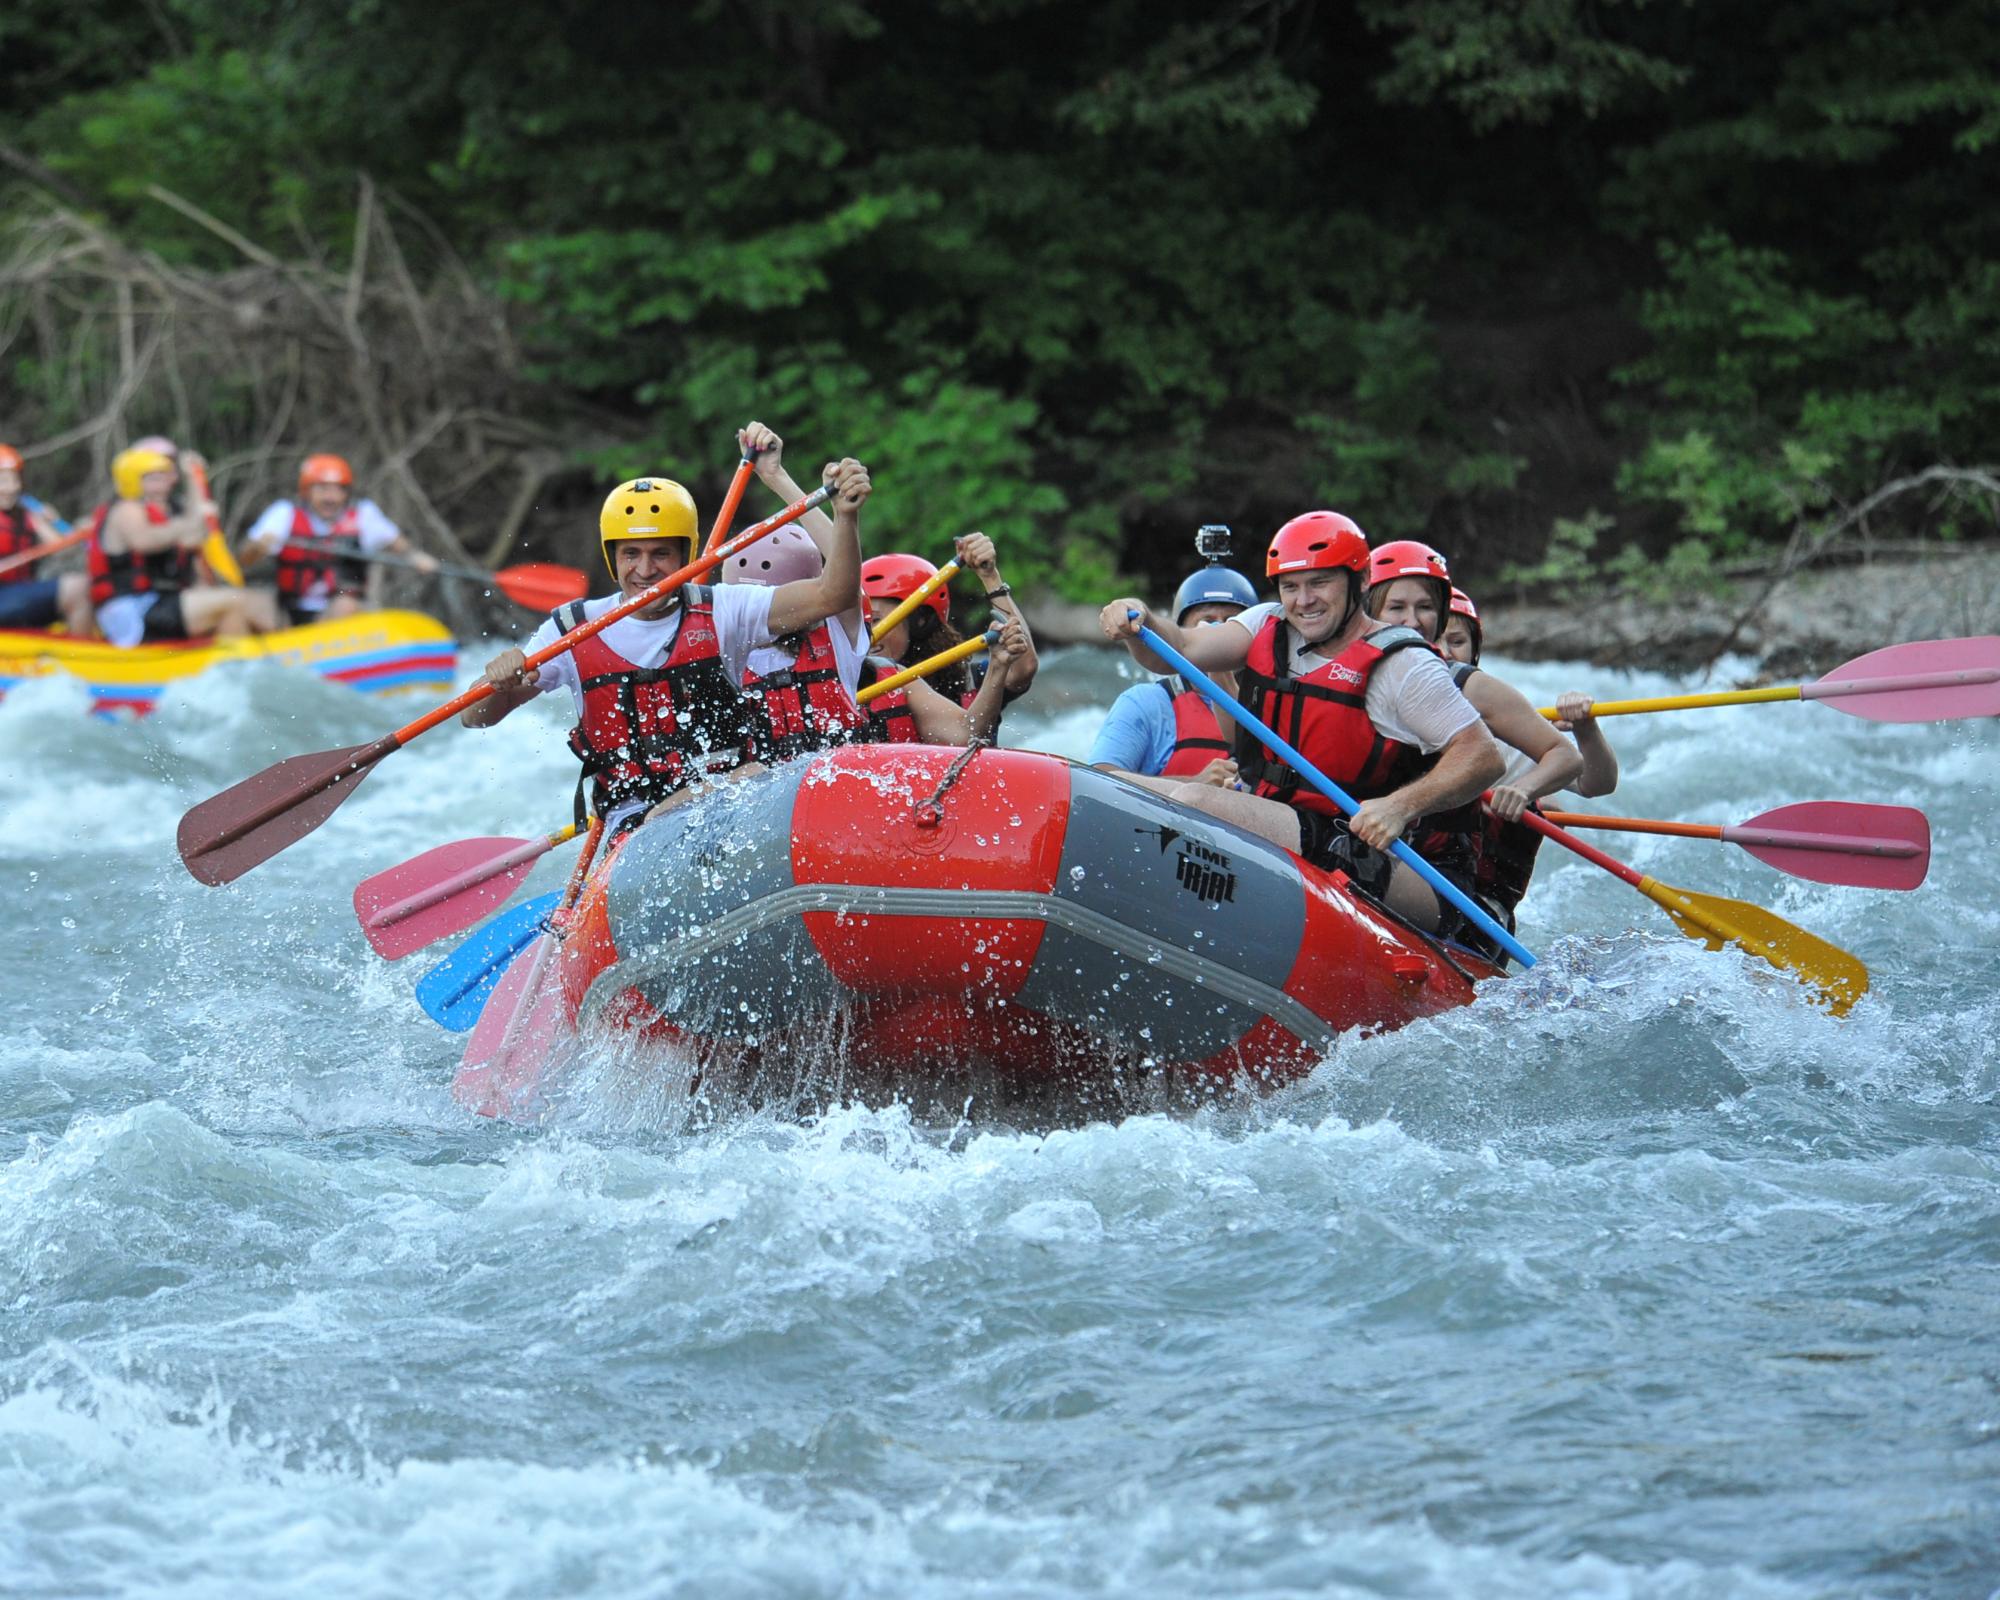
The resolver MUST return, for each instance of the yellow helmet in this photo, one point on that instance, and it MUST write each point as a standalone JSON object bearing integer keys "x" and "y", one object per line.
{"x": 646, "y": 508}
{"x": 129, "y": 466}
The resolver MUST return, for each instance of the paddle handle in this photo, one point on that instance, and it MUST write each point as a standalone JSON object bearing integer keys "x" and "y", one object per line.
{"x": 1590, "y": 853}
{"x": 22, "y": 558}
{"x": 1443, "y": 886}
{"x": 1678, "y": 830}
{"x": 726, "y": 513}
{"x": 659, "y": 591}
{"x": 923, "y": 669}
{"x": 1686, "y": 702}
{"x": 923, "y": 591}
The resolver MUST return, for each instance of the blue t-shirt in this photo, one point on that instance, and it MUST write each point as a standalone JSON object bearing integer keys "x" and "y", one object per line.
{"x": 1138, "y": 731}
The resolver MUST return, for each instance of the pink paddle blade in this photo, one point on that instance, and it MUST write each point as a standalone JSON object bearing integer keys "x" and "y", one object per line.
{"x": 1841, "y": 841}
{"x": 441, "y": 892}
{"x": 504, "y": 1060}
{"x": 1932, "y": 680}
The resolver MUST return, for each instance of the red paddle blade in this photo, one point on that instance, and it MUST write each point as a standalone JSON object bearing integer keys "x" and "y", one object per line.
{"x": 510, "y": 1047}
{"x": 1841, "y": 841}
{"x": 542, "y": 585}
{"x": 248, "y": 823}
{"x": 439, "y": 893}
{"x": 1931, "y": 680}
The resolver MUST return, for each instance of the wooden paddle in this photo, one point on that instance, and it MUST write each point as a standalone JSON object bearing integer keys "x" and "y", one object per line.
{"x": 916, "y": 597}
{"x": 445, "y": 890}
{"x": 1828, "y": 841}
{"x": 1930, "y": 680}
{"x": 923, "y": 669}
{"x": 227, "y": 834}
{"x": 1837, "y": 977}
{"x": 20, "y": 558}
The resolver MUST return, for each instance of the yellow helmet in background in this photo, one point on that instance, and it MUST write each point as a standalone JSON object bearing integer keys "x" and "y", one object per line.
{"x": 646, "y": 508}
{"x": 129, "y": 466}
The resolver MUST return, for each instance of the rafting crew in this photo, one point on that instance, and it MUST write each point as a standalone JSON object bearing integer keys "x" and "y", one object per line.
{"x": 26, "y": 524}
{"x": 1371, "y": 705}
{"x": 322, "y": 540}
{"x": 145, "y": 583}
{"x": 888, "y": 580}
{"x": 659, "y": 699}
{"x": 1165, "y": 728}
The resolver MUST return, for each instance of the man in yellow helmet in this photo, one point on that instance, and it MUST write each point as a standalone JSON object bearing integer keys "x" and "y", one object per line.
{"x": 658, "y": 696}
{"x": 143, "y": 582}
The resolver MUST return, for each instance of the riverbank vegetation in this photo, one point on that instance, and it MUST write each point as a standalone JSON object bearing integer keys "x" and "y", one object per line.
{"x": 1539, "y": 282}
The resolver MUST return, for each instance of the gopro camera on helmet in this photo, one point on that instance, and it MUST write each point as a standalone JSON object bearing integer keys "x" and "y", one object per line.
{"x": 1213, "y": 540}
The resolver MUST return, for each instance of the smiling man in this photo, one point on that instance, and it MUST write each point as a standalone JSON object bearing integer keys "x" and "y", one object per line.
{"x": 1371, "y": 706}
{"x": 658, "y": 697}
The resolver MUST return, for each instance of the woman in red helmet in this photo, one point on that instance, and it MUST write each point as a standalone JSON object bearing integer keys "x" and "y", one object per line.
{"x": 319, "y": 540}
{"x": 1371, "y": 706}
{"x": 887, "y": 581}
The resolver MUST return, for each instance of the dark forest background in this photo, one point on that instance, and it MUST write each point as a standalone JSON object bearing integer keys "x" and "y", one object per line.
{"x": 1562, "y": 287}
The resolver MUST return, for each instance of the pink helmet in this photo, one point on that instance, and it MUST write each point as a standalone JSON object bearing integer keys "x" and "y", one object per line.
{"x": 781, "y": 557}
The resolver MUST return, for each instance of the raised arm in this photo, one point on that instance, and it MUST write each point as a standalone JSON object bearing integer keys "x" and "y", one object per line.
{"x": 836, "y": 591}
{"x": 129, "y": 525}
{"x": 976, "y": 551}
{"x": 767, "y": 452}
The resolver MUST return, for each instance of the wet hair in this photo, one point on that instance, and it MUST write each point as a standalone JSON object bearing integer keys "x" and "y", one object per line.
{"x": 931, "y": 635}
{"x": 1379, "y": 592}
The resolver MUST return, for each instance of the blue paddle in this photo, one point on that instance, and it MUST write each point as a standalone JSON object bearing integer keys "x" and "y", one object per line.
{"x": 33, "y": 504}
{"x": 454, "y": 992}
{"x": 1402, "y": 852}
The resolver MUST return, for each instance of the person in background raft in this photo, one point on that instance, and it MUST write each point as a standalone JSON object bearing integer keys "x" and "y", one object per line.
{"x": 27, "y": 601}
{"x": 143, "y": 580}
{"x": 1164, "y": 729}
{"x": 319, "y": 539}
{"x": 803, "y": 687}
{"x": 1373, "y": 708}
{"x": 659, "y": 710}
{"x": 888, "y": 580}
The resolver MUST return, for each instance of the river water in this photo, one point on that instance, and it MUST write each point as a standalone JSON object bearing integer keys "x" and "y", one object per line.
{"x": 1641, "y": 1277}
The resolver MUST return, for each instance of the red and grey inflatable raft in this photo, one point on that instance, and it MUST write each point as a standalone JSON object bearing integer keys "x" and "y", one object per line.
{"x": 1034, "y": 916}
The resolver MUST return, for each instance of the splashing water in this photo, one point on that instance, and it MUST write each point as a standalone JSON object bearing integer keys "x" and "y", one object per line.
{"x": 1641, "y": 1277}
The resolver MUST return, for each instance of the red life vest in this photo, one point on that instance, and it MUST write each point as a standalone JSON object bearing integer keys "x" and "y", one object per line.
{"x": 647, "y": 731}
{"x": 309, "y": 564}
{"x": 805, "y": 706}
{"x": 1506, "y": 850}
{"x": 17, "y": 533}
{"x": 134, "y": 572}
{"x": 1323, "y": 716}
{"x": 890, "y": 719}
{"x": 1197, "y": 735}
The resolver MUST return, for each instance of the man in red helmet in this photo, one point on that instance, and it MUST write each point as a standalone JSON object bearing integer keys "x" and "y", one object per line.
{"x": 1372, "y": 707}
{"x": 321, "y": 540}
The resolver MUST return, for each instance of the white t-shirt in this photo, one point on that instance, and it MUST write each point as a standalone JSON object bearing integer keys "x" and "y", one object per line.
{"x": 373, "y": 531}
{"x": 1411, "y": 697}
{"x": 742, "y": 627}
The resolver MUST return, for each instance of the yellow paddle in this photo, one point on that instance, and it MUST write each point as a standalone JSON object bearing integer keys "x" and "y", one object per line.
{"x": 923, "y": 669}
{"x": 917, "y": 597}
{"x": 1839, "y": 978}
{"x": 215, "y": 548}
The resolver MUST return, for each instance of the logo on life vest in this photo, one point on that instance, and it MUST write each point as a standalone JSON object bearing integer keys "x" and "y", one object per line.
{"x": 1347, "y": 675}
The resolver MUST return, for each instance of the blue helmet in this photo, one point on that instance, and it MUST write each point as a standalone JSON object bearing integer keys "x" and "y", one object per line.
{"x": 1213, "y": 586}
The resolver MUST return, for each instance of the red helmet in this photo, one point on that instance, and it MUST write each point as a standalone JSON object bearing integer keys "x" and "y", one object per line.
{"x": 897, "y": 577}
{"x": 1406, "y": 558}
{"x": 325, "y": 469}
{"x": 10, "y": 457}
{"x": 1317, "y": 541}
{"x": 1462, "y": 606}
